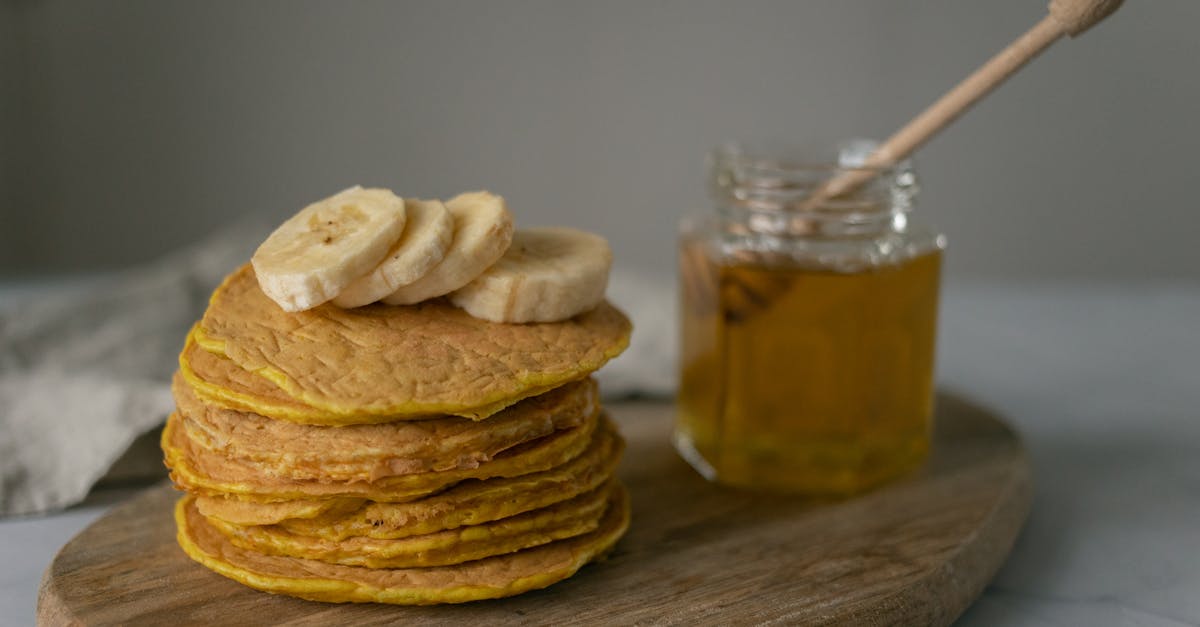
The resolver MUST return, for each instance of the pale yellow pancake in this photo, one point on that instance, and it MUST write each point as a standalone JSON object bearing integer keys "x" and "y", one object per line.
{"x": 237, "y": 510}
{"x": 489, "y": 578}
{"x": 198, "y": 470}
{"x": 372, "y": 452}
{"x": 561, "y": 520}
{"x": 221, "y": 382}
{"x": 402, "y": 362}
{"x": 471, "y": 502}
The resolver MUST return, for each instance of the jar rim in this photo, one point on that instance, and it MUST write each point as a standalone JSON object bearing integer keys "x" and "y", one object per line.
{"x": 846, "y": 155}
{"x": 743, "y": 175}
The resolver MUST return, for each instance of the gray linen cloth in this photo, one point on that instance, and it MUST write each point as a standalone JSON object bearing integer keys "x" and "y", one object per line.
{"x": 83, "y": 374}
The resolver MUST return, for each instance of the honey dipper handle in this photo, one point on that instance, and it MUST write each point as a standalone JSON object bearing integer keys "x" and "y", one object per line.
{"x": 1066, "y": 17}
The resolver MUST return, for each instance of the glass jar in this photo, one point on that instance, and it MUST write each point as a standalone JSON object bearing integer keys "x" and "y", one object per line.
{"x": 808, "y": 325}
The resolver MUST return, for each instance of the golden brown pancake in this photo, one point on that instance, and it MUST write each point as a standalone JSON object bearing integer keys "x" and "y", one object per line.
{"x": 471, "y": 502}
{"x": 239, "y": 511}
{"x": 561, "y": 520}
{"x": 357, "y": 365}
{"x": 488, "y": 578}
{"x": 201, "y": 471}
{"x": 219, "y": 381}
{"x": 374, "y": 451}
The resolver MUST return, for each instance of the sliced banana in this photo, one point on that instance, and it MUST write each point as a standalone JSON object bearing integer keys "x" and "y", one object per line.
{"x": 483, "y": 229}
{"x": 548, "y": 274}
{"x": 428, "y": 231}
{"x": 313, "y": 256}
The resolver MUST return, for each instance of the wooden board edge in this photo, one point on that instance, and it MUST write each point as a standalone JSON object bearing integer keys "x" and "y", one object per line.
{"x": 50, "y": 608}
{"x": 955, "y": 595}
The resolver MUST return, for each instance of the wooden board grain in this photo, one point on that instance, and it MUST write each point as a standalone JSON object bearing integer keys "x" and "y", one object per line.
{"x": 916, "y": 552}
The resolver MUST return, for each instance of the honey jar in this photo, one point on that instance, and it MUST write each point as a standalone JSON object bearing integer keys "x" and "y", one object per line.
{"x": 808, "y": 325}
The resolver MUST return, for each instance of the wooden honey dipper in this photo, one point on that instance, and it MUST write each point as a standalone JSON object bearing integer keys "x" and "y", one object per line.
{"x": 1066, "y": 17}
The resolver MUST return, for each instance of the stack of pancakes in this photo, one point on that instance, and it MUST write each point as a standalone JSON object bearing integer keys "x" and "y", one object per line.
{"x": 404, "y": 455}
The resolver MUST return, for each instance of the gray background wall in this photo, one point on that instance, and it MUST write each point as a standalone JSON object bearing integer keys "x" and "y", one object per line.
{"x": 130, "y": 128}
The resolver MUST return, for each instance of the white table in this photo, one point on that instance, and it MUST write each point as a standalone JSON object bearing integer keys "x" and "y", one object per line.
{"x": 1104, "y": 383}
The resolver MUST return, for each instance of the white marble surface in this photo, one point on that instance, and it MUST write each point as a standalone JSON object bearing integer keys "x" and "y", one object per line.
{"x": 1102, "y": 380}
{"x": 1104, "y": 383}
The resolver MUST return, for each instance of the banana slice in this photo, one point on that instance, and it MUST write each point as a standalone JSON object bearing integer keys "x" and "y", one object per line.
{"x": 310, "y": 258}
{"x": 482, "y": 232}
{"x": 548, "y": 274}
{"x": 428, "y": 231}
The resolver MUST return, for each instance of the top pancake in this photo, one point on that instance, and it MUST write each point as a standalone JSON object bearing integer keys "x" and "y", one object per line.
{"x": 402, "y": 362}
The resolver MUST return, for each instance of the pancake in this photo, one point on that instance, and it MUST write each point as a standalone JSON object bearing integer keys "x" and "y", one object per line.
{"x": 562, "y": 520}
{"x": 371, "y": 452}
{"x": 470, "y": 502}
{"x": 219, "y": 381}
{"x": 489, "y": 578}
{"x": 357, "y": 365}
{"x": 242, "y": 512}
{"x": 201, "y": 471}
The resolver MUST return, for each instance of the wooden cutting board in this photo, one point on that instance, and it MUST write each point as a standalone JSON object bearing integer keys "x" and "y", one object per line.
{"x": 915, "y": 552}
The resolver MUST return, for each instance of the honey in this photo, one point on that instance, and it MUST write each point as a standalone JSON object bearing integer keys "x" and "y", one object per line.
{"x": 806, "y": 380}
{"x": 807, "y": 331}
